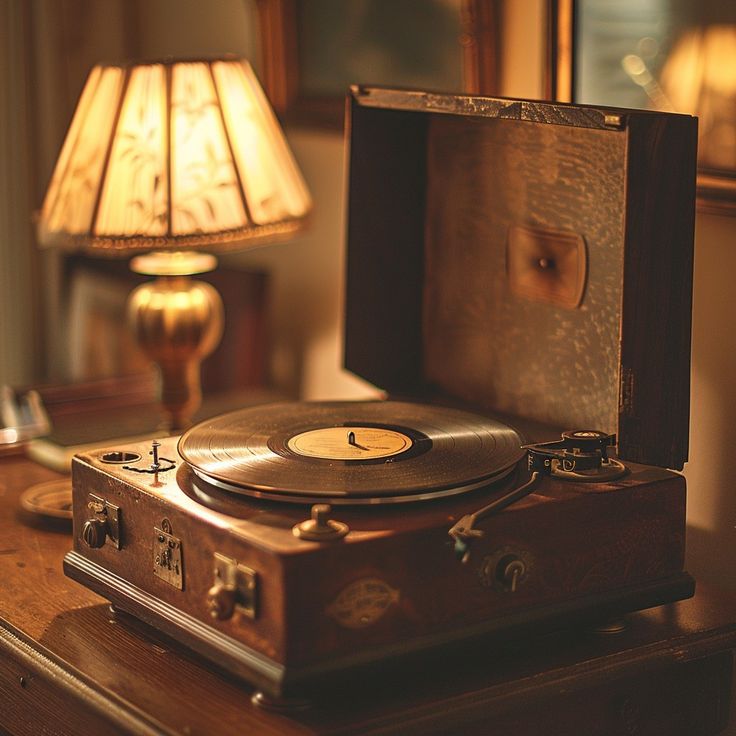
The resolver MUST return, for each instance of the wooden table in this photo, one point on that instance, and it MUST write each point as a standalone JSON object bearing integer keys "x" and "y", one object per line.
{"x": 68, "y": 667}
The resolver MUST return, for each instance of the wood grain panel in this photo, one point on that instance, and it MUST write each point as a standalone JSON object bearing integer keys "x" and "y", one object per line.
{"x": 658, "y": 272}
{"x": 383, "y": 336}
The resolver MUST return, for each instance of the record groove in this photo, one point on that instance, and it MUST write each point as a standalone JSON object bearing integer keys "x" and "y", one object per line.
{"x": 408, "y": 449}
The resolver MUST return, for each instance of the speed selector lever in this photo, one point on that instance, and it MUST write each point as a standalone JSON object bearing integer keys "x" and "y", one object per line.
{"x": 510, "y": 571}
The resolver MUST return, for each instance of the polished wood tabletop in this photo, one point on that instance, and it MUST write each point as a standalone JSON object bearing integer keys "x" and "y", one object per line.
{"x": 68, "y": 666}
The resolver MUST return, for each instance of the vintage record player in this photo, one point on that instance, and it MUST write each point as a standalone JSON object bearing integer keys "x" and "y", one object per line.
{"x": 514, "y": 269}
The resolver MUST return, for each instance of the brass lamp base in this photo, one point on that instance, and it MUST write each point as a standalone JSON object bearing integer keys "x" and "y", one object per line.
{"x": 178, "y": 322}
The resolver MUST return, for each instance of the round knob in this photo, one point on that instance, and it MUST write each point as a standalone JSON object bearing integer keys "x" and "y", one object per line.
{"x": 320, "y": 527}
{"x": 94, "y": 532}
{"x": 320, "y": 514}
{"x": 221, "y": 601}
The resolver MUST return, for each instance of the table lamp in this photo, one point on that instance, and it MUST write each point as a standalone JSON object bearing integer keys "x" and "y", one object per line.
{"x": 163, "y": 159}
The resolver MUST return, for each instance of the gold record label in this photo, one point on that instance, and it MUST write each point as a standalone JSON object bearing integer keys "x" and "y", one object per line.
{"x": 349, "y": 443}
{"x": 362, "y": 603}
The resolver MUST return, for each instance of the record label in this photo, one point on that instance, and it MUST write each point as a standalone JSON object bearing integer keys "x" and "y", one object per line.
{"x": 349, "y": 443}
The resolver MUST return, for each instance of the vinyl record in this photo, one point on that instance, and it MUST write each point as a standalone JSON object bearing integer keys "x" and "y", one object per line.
{"x": 360, "y": 452}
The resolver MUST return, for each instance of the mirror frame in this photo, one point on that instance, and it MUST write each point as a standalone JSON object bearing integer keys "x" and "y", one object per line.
{"x": 478, "y": 47}
{"x": 716, "y": 189}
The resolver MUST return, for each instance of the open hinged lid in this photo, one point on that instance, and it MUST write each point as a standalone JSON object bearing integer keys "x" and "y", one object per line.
{"x": 526, "y": 257}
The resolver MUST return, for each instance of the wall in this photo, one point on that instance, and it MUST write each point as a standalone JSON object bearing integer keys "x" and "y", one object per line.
{"x": 192, "y": 28}
{"x": 307, "y": 281}
{"x": 711, "y": 500}
{"x": 46, "y": 49}
{"x": 711, "y": 515}
{"x": 17, "y": 340}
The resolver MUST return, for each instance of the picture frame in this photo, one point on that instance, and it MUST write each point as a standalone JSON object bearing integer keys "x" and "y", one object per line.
{"x": 566, "y": 48}
{"x": 306, "y": 81}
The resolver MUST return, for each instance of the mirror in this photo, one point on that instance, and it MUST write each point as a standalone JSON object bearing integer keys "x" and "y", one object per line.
{"x": 671, "y": 55}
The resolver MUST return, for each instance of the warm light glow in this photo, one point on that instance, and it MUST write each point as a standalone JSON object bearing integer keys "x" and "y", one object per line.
{"x": 70, "y": 200}
{"x": 273, "y": 185}
{"x": 134, "y": 199}
{"x": 173, "y": 263}
{"x": 204, "y": 185}
{"x": 179, "y": 155}
{"x": 699, "y": 77}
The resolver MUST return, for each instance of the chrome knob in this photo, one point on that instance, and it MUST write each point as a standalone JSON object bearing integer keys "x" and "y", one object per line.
{"x": 94, "y": 532}
{"x": 221, "y": 601}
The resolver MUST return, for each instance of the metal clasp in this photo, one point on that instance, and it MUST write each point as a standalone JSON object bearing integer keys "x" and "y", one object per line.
{"x": 240, "y": 581}
{"x": 107, "y": 512}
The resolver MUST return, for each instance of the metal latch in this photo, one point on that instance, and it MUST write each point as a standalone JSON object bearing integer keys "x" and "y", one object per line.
{"x": 103, "y": 524}
{"x": 234, "y": 589}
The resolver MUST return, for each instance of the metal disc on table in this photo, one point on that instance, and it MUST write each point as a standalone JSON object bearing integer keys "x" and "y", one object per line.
{"x": 362, "y": 451}
{"x": 50, "y": 499}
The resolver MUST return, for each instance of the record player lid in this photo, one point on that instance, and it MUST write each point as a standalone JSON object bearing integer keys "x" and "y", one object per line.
{"x": 530, "y": 258}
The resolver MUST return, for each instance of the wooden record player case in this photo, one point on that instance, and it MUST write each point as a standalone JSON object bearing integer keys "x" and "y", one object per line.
{"x": 531, "y": 258}
{"x": 522, "y": 258}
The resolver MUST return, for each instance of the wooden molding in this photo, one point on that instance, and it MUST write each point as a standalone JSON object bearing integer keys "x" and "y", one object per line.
{"x": 480, "y": 21}
{"x": 560, "y": 67}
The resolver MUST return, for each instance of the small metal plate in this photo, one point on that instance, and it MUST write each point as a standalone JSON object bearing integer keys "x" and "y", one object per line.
{"x": 167, "y": 558}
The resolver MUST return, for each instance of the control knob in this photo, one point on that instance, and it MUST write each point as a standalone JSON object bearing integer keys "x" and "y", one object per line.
{"x": 221, "y": 601}
{"x": 94, "y": 532}
{"x": 320, "y": 527}
{"x": 510, "y": 572}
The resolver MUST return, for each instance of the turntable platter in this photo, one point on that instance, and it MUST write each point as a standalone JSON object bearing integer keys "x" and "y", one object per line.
{"x": 350, "y": 452}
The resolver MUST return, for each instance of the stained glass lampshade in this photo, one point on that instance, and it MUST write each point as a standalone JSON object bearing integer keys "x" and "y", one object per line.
{"x": 160, "y": 159}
